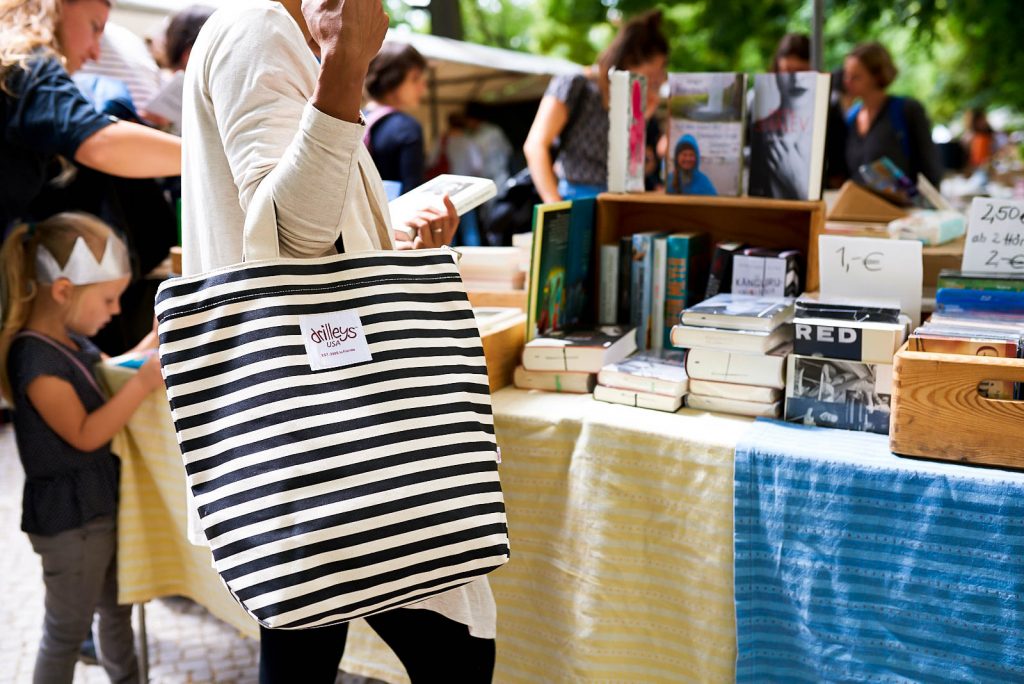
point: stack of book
(492, 268)
(737, 348)
(654, 380)
(840, 374)
(570, 361)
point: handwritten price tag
(995, 236)
(872, 268)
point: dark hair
(390, 67)
(639, 40)
(876, 61)
(792, 45)
(182, 31)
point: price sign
(995, 236)
(872, 268)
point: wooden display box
(503, 346)
(938, 413)
(753, 220)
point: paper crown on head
(82, 267)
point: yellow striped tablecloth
(621, 529)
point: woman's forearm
(542, 170)
(131, 150)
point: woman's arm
(552, 115)
(132, 151)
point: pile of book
(840, 374)
(737, 348)
(979, 315)
(654, 380)
(570, 361)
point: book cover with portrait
(787, 135)
(705, 133)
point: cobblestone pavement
(187, 645)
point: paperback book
(766, 272)
(554, 381)
(740, 312)
(787, 139)
(705, 133)
(627, 151)
(753, 409)
(847, 308)
(648, 400)
(752, 341)
(729, 390)
(465, 192)
(657, 373)
(719, 365)
(840, 394)
(584, 351)
(852, 340)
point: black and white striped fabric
(332, 494)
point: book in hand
(753, 409)
(814, 305)
(705, 133)
(585, 351)
(752, 341)
(719, 365)
(787, 138)
(465, 192)
(739, 312)
(850, 395)
(853, 340)
(627, 150)
(629, 397)
(655, 372)
(766, 272)
(130, 359)
(729, 390)
(571, 382)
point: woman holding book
(881, 125)
(574, 111)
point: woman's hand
(433, 228)
(149, 373)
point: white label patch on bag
(334, 339)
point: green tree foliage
(953, 54)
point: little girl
(62, 279)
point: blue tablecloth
(852, 564)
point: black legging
(432, 648)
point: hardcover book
(641, 286)
(752, 341)
(966, 280)
(766, 273)
(658, 373)
(852, 340)
(685, 275)
(719, 365)
(787, 139)
(815, 305)
(729, 390)
(554, 381)
(627, 151)
(720, 270)
(739, 312)
(558, 297)
(753, 409)
(584, 351)
(648, 400)
(841, 394)
(705, 133)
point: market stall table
(621, 528)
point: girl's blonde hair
(18, 287)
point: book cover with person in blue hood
(687, 178)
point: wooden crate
(938, 413)
(503, 348)
(753, 220)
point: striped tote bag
(335, 422)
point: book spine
(690, 336)
(637, 296)
(677, 283)
(625, 307)
(720, 273)
(608, 294)
(743, 369)
(955, 281)
(658, 295)
(963, 301)
(618, 130)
